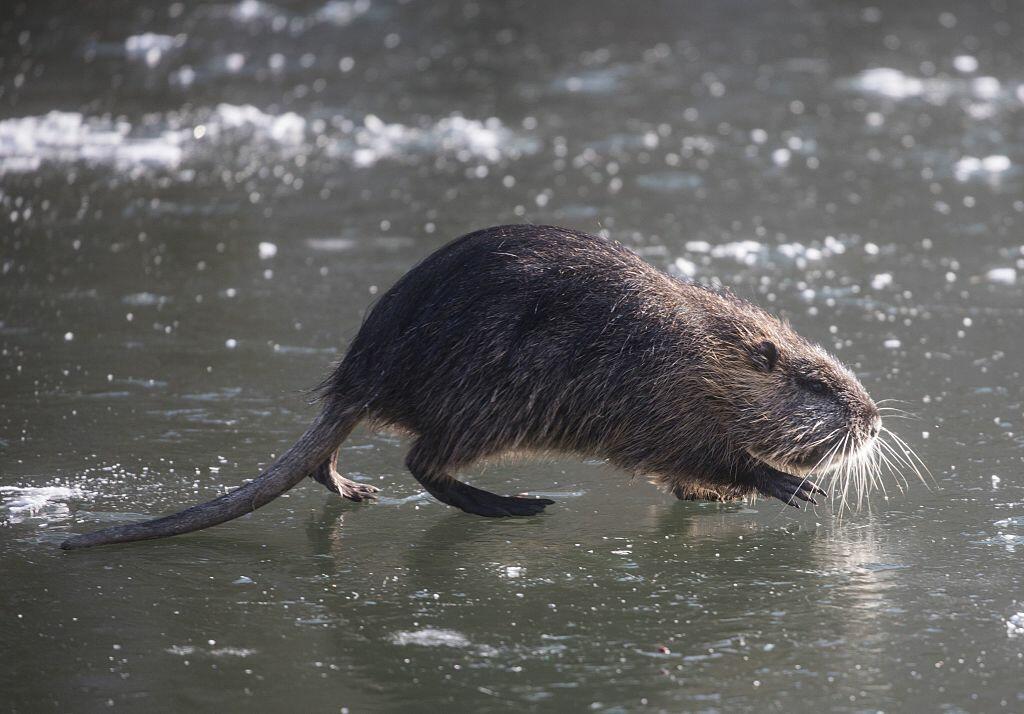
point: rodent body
(530, 338)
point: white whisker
(911, 457)
(852, 467)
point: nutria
(546, 339)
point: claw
(788, 488)
(354, 491)
(808, 486)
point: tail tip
(70, 543)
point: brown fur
(535, 338)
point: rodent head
(790, 403)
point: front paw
(788, 488)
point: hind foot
(484, 503)
(355, 491)
(787, 488)
(328, 475)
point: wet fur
(538, 338)
(542, 339)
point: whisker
(889, 412)
(871, 470)
(898, 458)
(844, 475)
(852, 467)
(910, 451)
(889, 465)
(911, 456)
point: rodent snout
(876, 426)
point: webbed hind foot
(432, 471)
(484, 503)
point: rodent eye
(813, 385)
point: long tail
(322, 437)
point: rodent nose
(876, 426)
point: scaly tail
(322, 437)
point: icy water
(199, 202)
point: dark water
(194, 222)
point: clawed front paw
(788, 488)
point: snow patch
(331, 244)
(335, 12)
(466, 139)
(186, 650)
(342, 12)
(1015, 625)
(170, 141)
(249, 10)
(23, 502)
(287, 128)
(28, 142)
(888, 82)
(896, 84)
(150, 47)
(65, 137)
(748, 252)
(988, 166)
(881, 281)
(430, 637)
(1003, 276)
(684, 267)
(145, 299)
(965, 63)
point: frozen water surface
(201, 200)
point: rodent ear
(765, 355)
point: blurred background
(199, 202)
